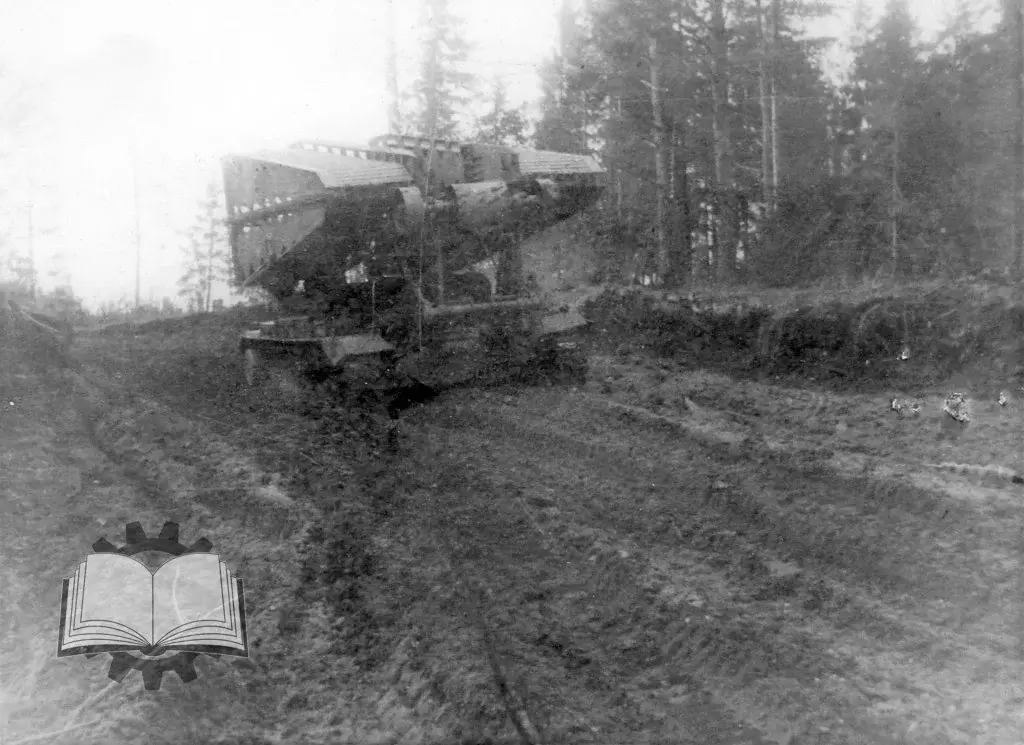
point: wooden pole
(1018, 141)
(209, 258)
(394, 107)
(138, 236)
(665, 278)
(31, 244)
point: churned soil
(678, 551)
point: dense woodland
(733, 158)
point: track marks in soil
(907, 635)
(68, 484)
(863, 527)
(629, 631)
(809, 417)
(539, 440)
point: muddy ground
(676, 552)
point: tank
(378, 251)
(321, 210)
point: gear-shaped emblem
(154, 662)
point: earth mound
(920, 336)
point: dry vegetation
(727, 536)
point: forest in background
(732, 157)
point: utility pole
(31, 244)
(138, 235)
(209, 258)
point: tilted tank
(405, 250)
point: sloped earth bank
(667, 555)
(961, 333)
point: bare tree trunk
(1018, 141)
(660, 168)
(700, 254)
(725, 246)
(766, 114)
(618, 172)
(672, 162)
(835, 157)
(894, 207)
(773, 74)
(618, 195)
(684, 231)
(584, 137)
(394, 110)
(32, 249)
(209, 260)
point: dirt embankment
(667, 554)
(911, 337)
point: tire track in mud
(613, 591)
(381, 672)
(62, 493)
(863, 525)
(888, 630)
(293, 693)
(442, 635)
(879, 621)
(549, 442)
(135, 460)
(956, 515)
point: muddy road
(664, 555)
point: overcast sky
(182, 83)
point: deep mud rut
(663, 556)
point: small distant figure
(904, 353)
(1004, 398)
(905, 409)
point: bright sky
(182, 83)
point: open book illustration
(114, 603)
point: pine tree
(887, 69)
(501, 125)
(574, 84)
(444, 86)
(206, 253)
